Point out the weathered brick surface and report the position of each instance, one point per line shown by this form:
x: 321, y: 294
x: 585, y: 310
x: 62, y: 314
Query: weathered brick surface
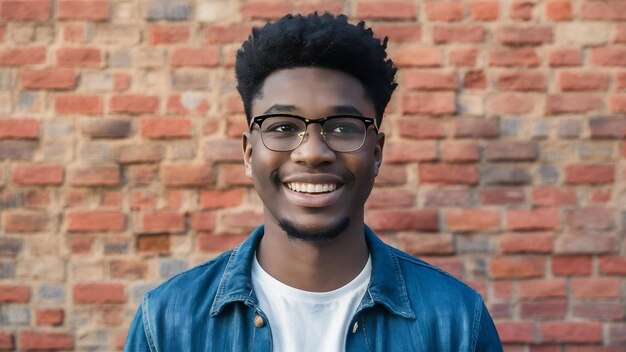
x: 120, y: 152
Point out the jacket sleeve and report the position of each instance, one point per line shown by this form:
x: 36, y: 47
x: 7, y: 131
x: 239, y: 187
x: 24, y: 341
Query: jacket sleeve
x: 137, y: 340
x: 487, y: 338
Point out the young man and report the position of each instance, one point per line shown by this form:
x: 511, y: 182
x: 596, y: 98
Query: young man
x: 314, y: 277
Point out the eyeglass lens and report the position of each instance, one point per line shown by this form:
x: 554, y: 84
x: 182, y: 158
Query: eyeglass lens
x: 285, y: 133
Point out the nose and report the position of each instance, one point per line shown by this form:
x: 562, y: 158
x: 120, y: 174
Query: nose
x: 313, y: 150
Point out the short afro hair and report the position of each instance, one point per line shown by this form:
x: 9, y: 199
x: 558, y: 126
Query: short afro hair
x: 315, y: 40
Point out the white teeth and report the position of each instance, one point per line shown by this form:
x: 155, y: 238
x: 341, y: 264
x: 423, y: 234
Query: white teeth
x: 312, y: 187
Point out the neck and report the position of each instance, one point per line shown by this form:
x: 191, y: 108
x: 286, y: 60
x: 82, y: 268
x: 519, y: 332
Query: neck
x: 313, y: 266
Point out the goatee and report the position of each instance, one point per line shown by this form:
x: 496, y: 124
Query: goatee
x: 326, y: 234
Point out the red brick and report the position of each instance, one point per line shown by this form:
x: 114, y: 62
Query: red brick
x: 75, y: 32
x: 475, y: 128
x: 559, y: 10
x: 399, y: 32
x: 448, y: 174
x: 510, y: 151
x: 90, y: 10
x: 98, y: 293
x: 444, y: 10
x: 554, y: 196
x: 553, y: 309
x: 429, y: 103
x: 128, y: 269
x: 617, y: 103
x: 613, y: 265
x: 404, y: 220
x: 34, y: 174
x: 226, y: 34
x: 502, y: 196
x: 176, y: 105
x: 523, y: 35
x: 590, y: 218
x: 22, y: 128
x: 408, y: 151
x: 50, y: 316
x: 565, y: 57
x: 14, y: 294
x: 59, y: 78
x: 134, y: 103
x: 265, y: 10
x: 78, y: 104
x: 516, y: 332
x: 459, y: 151
x: 620, y: 33
x: 421, y: 128
x: 463, y: 57
x: 571, y: 265
x: 95, y: 175
x: 79, y: 57
x: 235, y: 175
x: 95, y: 221
x: 167, y: 34
x: 417, y: 56
x: 600, y: 196
x: 386, y: 10
x: 219, y: 243
x: 608, y: 56
x: 240, y: 220
x: 577, y: 174
x: 475, y: 80
x: 45, y: 341
x: 22, y: 56
x: 522, y: 9
x: 320, y: 6
x: 571, y: 81
x: 542, y: 288
x: 223, y: 150
x: 161, y: 128
x: 603, y: 10
x: 38, y: 10
x: 516, y: 267
x: 37, y: 199
x: 598, y: 311
x: 444, y: 34
x: 585, y: 244
x: 186, y: 175
x: 24, y: 222
x: 516, y: 243
x: 420, y: 245
x: 429, y: 80
x: 596, y: 287
x: 161, y: 222
x: 202, y: 221
x: 153, y: 243
x: 2, y: 31
x: 523, y: 57
x: 485, y: 10
x: 221, y: 198
x: 388, y: 199
x: 537, y: 219
x: 121, y: 81
x: 522, y: 81
x: 195, y: 57
x: 6, y: 341
x: 468, y: 220
x: 572, y: 103
x: 510, y: 103
x: 574, y: 332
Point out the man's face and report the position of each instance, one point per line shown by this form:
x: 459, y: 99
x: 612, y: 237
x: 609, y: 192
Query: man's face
x: 313, y: 93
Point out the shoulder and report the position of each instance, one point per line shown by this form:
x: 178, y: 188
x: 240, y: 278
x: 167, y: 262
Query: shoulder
x: 203, y: 278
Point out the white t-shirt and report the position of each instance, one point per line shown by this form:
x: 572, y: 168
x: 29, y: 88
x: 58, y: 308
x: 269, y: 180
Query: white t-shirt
x: 308, y: 321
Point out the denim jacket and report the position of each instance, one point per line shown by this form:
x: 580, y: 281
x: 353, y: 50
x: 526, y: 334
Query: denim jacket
x: 409, y: 305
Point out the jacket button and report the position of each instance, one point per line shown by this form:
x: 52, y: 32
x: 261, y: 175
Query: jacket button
x: 355, y: 327
x: 258, y: 321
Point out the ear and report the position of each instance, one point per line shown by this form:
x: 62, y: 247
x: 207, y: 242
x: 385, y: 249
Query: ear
x: 247, y: 153
x: 378, y: 152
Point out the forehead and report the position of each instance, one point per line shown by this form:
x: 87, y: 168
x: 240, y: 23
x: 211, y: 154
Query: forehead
x: 312, y: 92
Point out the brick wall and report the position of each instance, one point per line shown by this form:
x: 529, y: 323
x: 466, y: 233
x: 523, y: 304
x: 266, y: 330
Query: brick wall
x: 120, y: 161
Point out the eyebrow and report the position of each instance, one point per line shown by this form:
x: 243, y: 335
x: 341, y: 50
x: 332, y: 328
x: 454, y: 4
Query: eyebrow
x: 339, y: 109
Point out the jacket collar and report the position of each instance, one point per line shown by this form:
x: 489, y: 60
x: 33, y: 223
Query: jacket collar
x: 387, y: 286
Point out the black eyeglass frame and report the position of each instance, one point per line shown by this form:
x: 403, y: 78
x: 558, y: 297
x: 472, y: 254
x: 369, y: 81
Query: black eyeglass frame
x: 367, y: 121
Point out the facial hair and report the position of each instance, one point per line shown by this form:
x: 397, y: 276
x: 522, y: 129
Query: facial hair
x: 327, y: 234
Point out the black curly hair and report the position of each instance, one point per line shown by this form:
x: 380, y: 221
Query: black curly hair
x: 316, y: 40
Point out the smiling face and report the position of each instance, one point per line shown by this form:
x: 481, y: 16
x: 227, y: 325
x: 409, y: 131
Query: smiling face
x: 312, y: 190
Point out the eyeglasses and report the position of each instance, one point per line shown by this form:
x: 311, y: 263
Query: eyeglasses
x: 285, y: 132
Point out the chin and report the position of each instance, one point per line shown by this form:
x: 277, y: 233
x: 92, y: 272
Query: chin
x: 321, y: 234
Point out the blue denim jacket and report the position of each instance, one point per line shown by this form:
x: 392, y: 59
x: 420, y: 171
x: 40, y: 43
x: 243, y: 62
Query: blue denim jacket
x: 409, y: 306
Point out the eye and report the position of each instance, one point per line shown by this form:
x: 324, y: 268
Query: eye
x: 282, y: 127
x: 344, y: 128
